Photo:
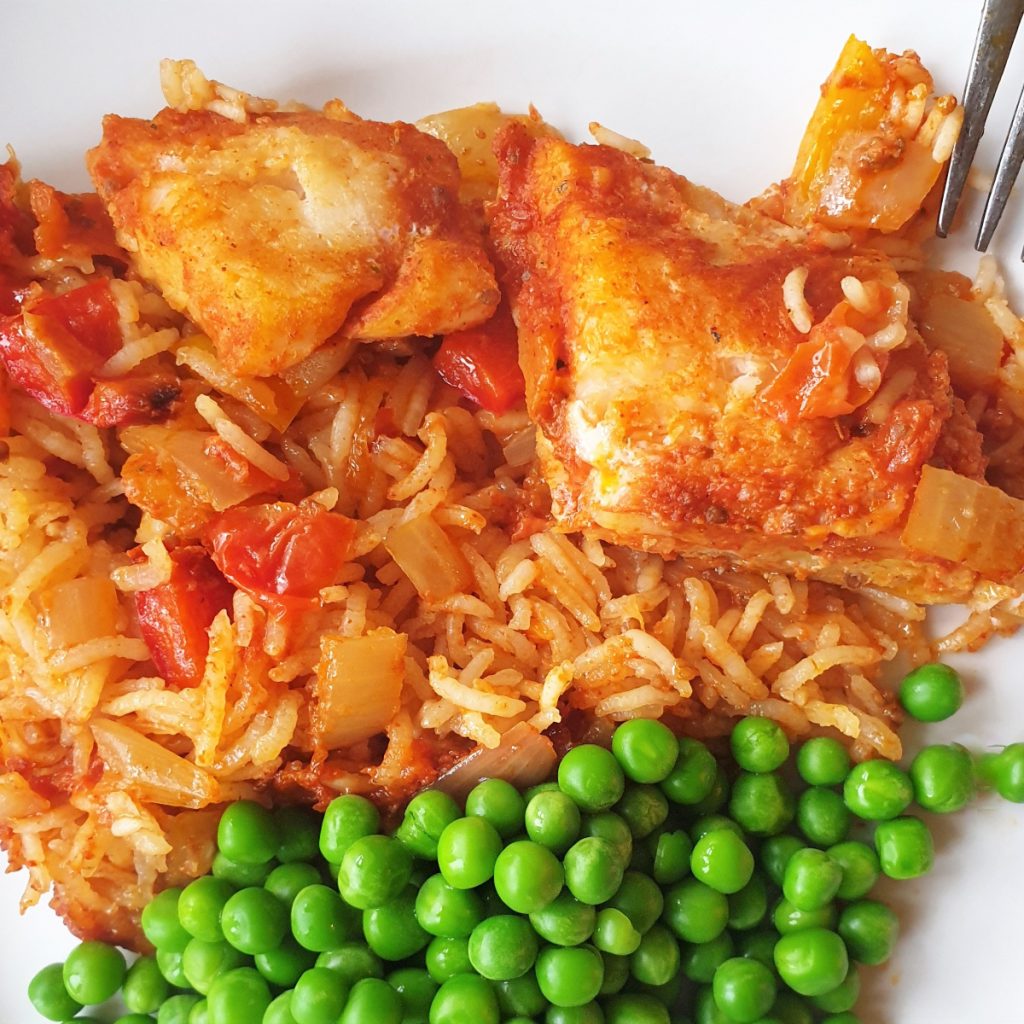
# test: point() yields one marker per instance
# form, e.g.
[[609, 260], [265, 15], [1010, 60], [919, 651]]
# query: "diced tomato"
[[483, 363], [15, 223], [129, 400], [174, 617], [281, 553], [71, 225], [88, 314]]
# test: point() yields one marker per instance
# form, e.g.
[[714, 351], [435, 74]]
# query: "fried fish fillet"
[[681, 407], [275, 233]]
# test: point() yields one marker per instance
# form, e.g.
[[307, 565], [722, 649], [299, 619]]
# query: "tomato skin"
[[175, 616], [53, 348], [282, 554], [483, 363], [130, 400]]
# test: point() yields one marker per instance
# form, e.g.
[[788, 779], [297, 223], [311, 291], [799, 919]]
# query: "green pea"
[[286, 881], [672, 857], [823, 761], [592, 777], [299, 831], [695, 912], [570, 976], [520, 997], [284, 966], [441, 909], [694, 775], [541, 787], [822, 816], [718, 797], [171, 967], [759, 745], [762, 804], [178, 1010], [860, 868], [466, 852], [640, 899], [812, 961], [588, 1013], [463, 998], [320, 920], [644, 808], [144, 988], [446, 958], [202, 962], [788, 918], [280, 1010], [593, 870], [635, 1009], [931, 693], [843, 997], [748, 907], [239, 874], [646, 749], [656, 960], [758, 945], [790, 1008], [905, 848], [392, 931], [254, 920], [46, 992], [877, 790], [699, 961], [248, 833], [352, 961], [565, 921], [373, 1001], [498, 802], [240, 996], [553, 820], [870, 930], [93, 972], [812, 879], [667, 994], [614, 933], [346, 819], [1004, 772], [775, 854], [943, 778], [319, 997], [503, 947], [616, 973], [200, 905], [427, 815], [744, 989], [714, 823], [160, 923], [374, 870], [416, 989], [722, 861], [613, 827], [527, 876]]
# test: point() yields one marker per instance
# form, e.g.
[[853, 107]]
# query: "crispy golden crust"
[[651, 315], [270, 233]]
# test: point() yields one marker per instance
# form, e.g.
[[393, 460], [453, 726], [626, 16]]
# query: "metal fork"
[[997, 30]]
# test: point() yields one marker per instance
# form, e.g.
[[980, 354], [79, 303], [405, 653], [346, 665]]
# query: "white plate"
[[721, 92]]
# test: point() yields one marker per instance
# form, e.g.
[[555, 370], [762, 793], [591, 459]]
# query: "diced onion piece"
[[188, 449], [149, 770], [968, 522], [524, 757], [193, 839], [423, 551], [79, 610], [358, 686], [967, 334]]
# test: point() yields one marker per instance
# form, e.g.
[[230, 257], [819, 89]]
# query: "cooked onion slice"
[[965, 521], [524, 757]]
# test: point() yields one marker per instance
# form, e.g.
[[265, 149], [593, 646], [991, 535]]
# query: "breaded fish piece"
[[275, 233], [703, 385]]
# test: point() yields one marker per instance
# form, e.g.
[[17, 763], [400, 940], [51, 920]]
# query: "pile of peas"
[[644, 885]]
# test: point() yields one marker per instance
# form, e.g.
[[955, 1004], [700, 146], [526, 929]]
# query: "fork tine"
[[996, 32], [1006, 174]]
